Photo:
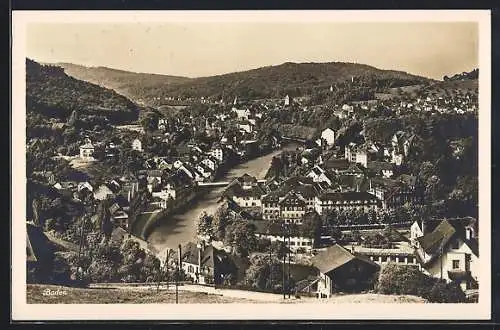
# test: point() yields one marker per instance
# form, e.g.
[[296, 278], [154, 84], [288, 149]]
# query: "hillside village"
[[364, 185]]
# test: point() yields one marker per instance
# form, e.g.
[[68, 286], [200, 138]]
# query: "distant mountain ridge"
[[472, 75], [271, 81], [123, 82]]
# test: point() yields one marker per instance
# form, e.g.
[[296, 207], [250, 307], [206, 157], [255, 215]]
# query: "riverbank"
[[180, 228]]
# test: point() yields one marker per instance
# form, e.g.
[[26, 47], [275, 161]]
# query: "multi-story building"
[[351, 200], [356, 154]]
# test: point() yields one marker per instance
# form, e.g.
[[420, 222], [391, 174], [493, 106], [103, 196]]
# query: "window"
[[456, 264]]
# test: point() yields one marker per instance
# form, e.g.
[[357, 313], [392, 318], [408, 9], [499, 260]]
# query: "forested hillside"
[[130, 84], [51, 92], [349, 81]]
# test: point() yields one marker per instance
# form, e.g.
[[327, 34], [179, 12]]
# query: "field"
[[149, 295]]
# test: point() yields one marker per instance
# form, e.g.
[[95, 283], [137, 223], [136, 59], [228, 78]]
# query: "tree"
[[241, 235], [73, 119], [311, 226], [150, 122], [278, 249], [105, 224], [36, 212], [205, 227]]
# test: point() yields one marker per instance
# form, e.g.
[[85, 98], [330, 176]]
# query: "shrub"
[[400, 279], [442, 292], [397, 279]]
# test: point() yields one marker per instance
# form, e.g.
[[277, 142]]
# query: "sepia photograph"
[[303, 165]]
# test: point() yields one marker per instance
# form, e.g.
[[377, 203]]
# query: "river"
[[181, 228]]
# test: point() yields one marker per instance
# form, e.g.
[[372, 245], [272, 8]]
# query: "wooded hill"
[[51, 92], [130, 84], [293, 79]]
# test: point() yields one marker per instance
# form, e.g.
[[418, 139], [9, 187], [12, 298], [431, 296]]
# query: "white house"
[[450, 252], [246, 126], [137, 145], [85, 185], [319, 175], [162, 124], [329, 135], [87, 151], [287, 100], [218, 153], [241, 114], [356, 154], [211, 163]]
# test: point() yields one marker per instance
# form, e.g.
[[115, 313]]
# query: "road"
[[181, 228]]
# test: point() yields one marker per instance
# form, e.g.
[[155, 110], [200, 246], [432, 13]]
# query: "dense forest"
[[51, 92]]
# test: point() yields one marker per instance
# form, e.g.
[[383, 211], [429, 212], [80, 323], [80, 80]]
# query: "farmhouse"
[[341, 271]]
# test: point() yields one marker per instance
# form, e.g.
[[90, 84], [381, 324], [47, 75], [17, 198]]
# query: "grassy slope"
[[121, 296], [129, 295]]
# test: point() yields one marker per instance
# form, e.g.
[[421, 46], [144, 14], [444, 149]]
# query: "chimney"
[[423, 226]]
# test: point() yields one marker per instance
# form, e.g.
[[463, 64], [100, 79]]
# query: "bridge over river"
[[180, 228], [220, 183]]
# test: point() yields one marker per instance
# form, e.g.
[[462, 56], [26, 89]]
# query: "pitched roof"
[[380, 166], [87, 146], [348, 196], [210, 256], [335, 257], [336, 163], [438, 238]]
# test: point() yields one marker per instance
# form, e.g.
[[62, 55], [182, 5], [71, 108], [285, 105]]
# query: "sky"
[[196, 49]]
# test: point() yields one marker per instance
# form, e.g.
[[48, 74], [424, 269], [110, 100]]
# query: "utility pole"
[[289, 262], [80, 248], [179, 267], [284, 261], [271, 268], [441, 258]]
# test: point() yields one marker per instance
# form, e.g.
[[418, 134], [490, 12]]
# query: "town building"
[[293, 238], [394, 193], [206, 264], [357, 200], [356, 154], [245, 191]]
